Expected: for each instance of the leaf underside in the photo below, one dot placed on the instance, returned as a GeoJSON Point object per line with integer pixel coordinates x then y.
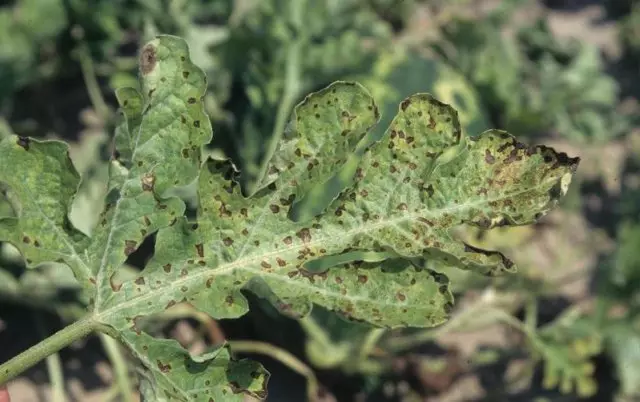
{"type": "Point", "coordinates": [418, 182]}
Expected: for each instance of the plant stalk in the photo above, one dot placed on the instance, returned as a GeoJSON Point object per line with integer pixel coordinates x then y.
{"type": "Point", "coordinates": [45, 348]}
{"type": "Point", "coordinates": [119, 365]}
{"type": "Point", "coordinates": [54, 367]}
{"type": "Point", "coordinates": [289, 96]}
{"type": "Point", "coordinates": [56, 377]}
{"type": "Point", "coordinates": [91, 82]}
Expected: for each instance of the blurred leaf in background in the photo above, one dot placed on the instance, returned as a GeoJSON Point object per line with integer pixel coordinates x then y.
{"type": "Point", "coordinates": [531, 82]}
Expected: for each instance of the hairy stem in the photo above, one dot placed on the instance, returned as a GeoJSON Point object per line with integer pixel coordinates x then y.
{"type": "Point", "coordinates": [45, 348]}
{"type": "Point", "coordinates": [283, 357]}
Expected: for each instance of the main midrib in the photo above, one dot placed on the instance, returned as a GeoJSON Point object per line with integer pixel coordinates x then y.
{"type": "Point", "coordinates": [199, 276]}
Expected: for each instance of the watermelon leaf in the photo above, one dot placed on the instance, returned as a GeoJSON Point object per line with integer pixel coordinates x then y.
{"type": "Point", "coordinates": [413, 186]}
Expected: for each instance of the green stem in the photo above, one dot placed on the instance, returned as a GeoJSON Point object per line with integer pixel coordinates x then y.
{"type": "Point", "coordinates": [45, 348]}
{"type": "Point", "coordinates": [362, 364]}
{"type": "Point", "coordinates": [291, 90]}
{"type": "Point", "coordinates": [54, 367]}
{"type": "Point", "coordinates": [531, 313]}
{"type": "Point", "coordinates": [120, 370]}
{"type": "Point", "coordinates": [370, 342]}
{"type": "Point", "coordinates": [314, 331]}
{"type": "Point", "coordinates": [283, 357]}
{"type": "Point", "coordinates": [90, 81]}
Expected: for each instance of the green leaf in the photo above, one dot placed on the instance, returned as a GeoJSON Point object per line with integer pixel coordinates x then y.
{"type": "Point", "coordinates": [567, 351]}
{"type": "Point", "coordinates": [210, 376]}
{"type": "Point", "coordinates": [42, 181]}
{"type": "Point", "coordinates": [27, 27]}
{"type": "Point", "coordinates": [422, 179]}
{"type": "Point", "coordinates": [534, 82]}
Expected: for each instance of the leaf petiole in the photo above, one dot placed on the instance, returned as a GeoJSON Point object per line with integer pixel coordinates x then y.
{"type": "Point", "coordinates": [46, 347]}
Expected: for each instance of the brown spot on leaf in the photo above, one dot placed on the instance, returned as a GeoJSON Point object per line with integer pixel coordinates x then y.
{"type": "Point", "coordinates": [513, 156]}
{"type": "Point", "coordinates": [147, 59]}
{"type": "Point", "coordinates": [200, 250]}
{"type": "Point", "coordinates": [148, 180]}
{"type": "Point", "coordinates": [265, 265]}
{"type": "Point", "coordinates": [129, 247]}
{"type": "Point", "coordinates": [209, 282]}
{"type": "Point", "coordinates": [490, 159]}
{"type": "Point", "coordinates": [227, 241]}
{"type": "Point", "coordinates": [223, 211]}
{"type": "Point", "coordinates": [26, 240]}
{"type": "Point", "coordinates": [114, 286]}
{"type": "Point", "coordinates": [281, 262]}
{"type": "Point", "coordinates": [362, 278]}
{"type": "Point", "coordinates": [311, 275]}
{"type": "Point", "coordinates": [167, 268]}
{"type": "Point", "coordinates": [274, 208]}
{"type": "Point", "coordinates": [304, 235]}
{"type": "Point", "coordinates": [287, 240]}
{"type": "Point", "coordinates": [165, 368]}
{"type": "Point", "coordinates": [405, 104]}
{"type": "Point", "coordinates": [139, 281]}
{"type": "Point", "coordinates": [401, 296]}
{"type": "Point", "coordinates": [430, 190]}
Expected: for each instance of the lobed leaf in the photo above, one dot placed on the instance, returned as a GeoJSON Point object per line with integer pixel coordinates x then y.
{"type": "Point", "coordinates": [413, 186]}
{"type": "Point", "coordinates": [42, 182]}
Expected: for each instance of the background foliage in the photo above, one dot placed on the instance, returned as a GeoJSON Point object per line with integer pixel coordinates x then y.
{"type": "Point", "coordinates": [564, 328]}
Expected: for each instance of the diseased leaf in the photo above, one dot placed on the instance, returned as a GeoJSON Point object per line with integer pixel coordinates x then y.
{"type": "Point", "coordinates": [422, 179]}
{"type": "Point", "coordinates": [158, 146]}
{"type": "Point", "coordinates": [210, 376]}
{"type": "Point", "coordinates": [43, 182]}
